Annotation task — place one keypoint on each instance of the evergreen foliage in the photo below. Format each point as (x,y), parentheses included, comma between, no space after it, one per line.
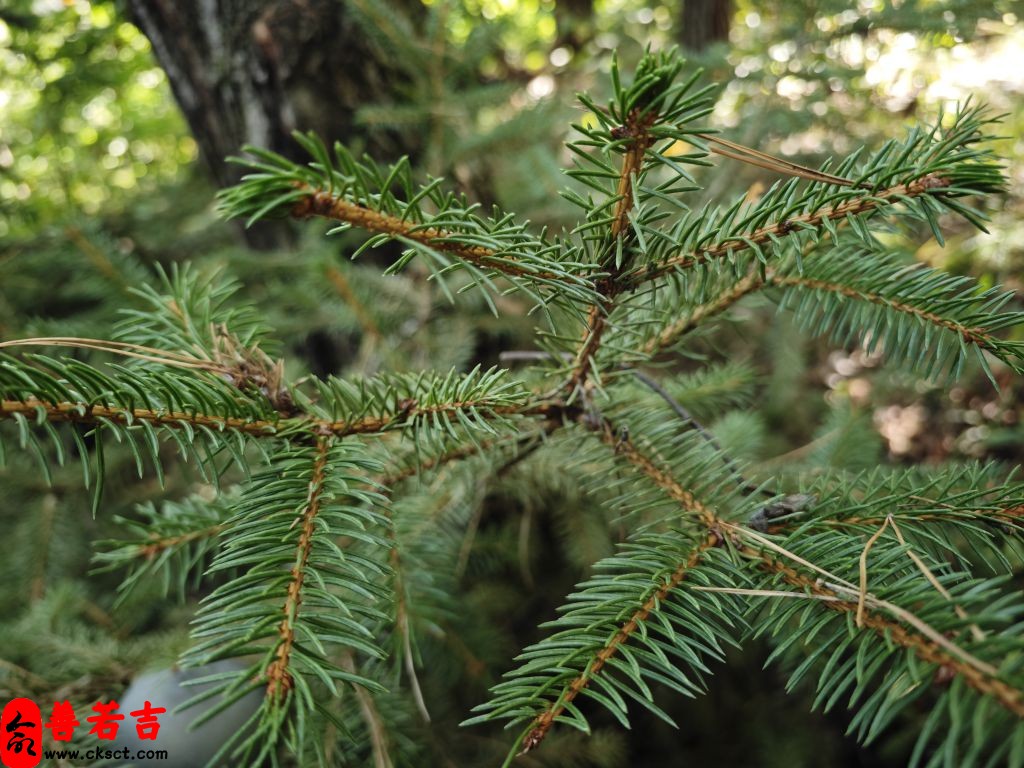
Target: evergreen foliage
(327,568)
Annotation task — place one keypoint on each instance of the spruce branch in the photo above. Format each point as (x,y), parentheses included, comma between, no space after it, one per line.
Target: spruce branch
(675,330)
(812,221)
(906,628)
(280,680)
(361,194)
(925,174)
(631,623)
(973,503)
(610,629)
(651,99)
(305,593)
(623,446)
(919,316)
(317,203)
(83,413)
(417,465)
(928,645)
(544,721)
(142,406)
(327,562)
(173,543)
(191,313)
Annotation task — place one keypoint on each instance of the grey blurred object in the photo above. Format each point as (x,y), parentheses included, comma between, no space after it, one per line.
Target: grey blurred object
(792,504)
(185,748)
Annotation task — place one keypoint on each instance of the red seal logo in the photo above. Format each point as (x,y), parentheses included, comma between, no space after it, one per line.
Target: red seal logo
(21,734)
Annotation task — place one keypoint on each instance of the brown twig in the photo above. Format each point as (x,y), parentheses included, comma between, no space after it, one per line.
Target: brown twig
(672,332)
(156,545)
(547,718)
(763,235)
(90,414)
(976,335)
(974,674)
(661,476)
(84,413)
(321,203)
(278,674)
(637,127)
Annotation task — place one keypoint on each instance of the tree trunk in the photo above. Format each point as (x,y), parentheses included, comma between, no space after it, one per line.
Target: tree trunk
(252,71)
(704,22)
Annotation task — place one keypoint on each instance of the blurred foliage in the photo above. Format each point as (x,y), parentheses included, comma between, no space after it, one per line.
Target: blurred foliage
(99,182)
(87,123)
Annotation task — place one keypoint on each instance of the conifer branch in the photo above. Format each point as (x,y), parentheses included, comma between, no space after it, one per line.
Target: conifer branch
(546,719)
(624,446)
(278,674)
(679,328)
(636,132)
(84,413)
(907,300)
(316,202)
(478,404)
(912,298)
(449,411)
(326,555)
(441,226)
(172,543)
(465,450)
(282,552)
(157,545)
(976,674)
(972,335)
(1010,516)
(816,221)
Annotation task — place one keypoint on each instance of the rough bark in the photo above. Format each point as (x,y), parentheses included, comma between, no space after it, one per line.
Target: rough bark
(252,71)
